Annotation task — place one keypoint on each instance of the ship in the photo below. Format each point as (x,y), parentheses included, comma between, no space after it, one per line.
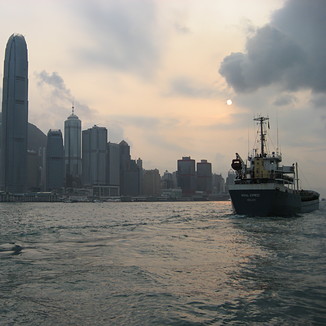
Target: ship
(263,187)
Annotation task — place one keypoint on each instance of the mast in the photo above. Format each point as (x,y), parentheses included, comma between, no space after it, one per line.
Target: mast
(261,121)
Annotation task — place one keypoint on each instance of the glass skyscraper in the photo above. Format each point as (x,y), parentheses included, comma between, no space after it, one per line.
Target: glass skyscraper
(13,163)
(73,160)
(54,160)
(94,156)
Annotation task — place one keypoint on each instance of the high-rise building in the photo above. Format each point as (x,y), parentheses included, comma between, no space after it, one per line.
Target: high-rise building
(73,160)
(186,175)
(151,183)
(13,163)
(218,184)
(129,172)
(94,142)
(204,176)
(113,164)
(54,160)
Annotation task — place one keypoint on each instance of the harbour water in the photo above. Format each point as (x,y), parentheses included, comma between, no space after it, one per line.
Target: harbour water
(182,263)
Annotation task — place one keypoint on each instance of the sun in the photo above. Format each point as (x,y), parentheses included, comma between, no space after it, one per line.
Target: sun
(229,102)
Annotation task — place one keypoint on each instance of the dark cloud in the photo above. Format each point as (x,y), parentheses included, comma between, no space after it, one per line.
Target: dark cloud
(290,51)
(183,86)
(124,34)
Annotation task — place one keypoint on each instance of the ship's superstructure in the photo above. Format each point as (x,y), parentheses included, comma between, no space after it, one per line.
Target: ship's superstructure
(264,187)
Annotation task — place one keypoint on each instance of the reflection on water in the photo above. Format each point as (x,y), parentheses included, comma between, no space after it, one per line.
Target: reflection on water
(159,264)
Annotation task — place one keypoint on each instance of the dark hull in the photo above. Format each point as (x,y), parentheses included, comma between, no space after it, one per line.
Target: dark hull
(269,200)
(265,202)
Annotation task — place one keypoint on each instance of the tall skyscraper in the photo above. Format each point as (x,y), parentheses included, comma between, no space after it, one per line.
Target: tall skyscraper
(54,160)
(113,164)
(94,156)
(13,163)
(73,160)
(187,176)
(130,172)
(204,176)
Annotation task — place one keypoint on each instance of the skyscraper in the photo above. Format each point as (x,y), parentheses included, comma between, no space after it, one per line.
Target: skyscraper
(54,160)
(73,160)
(204,176)
(94,156)
(13,163)
(113,164)
(187,176)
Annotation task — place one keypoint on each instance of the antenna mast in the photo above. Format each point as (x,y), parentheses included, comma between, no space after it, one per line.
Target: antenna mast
(261,121)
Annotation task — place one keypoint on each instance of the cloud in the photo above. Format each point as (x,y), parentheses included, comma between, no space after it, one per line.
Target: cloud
(124,35)
(290,51)
(183,86)
(60,95)
(182,29)
(56,82)
(284,99)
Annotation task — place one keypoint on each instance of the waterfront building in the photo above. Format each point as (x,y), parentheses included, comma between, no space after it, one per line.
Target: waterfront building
(113,166)
(33,171)
(94,142)
(229,179)
(151,183)
(218,184)
(13,152)
(129,172)
(186,176)
(124,166)
(204,176)
(168,180)
(54,160)
(73,159)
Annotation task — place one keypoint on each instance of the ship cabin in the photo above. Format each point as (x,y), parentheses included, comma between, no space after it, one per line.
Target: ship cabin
(266,169)
(263,169)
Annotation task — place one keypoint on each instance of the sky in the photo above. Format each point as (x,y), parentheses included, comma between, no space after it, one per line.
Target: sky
(161,75)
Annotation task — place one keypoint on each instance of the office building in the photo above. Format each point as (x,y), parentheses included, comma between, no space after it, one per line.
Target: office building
(204,177)
(13,155)
(54,161)
(130,172)
(113,167)
(218,184)
(73,160)
(94,142)
(186,176)
(151,183)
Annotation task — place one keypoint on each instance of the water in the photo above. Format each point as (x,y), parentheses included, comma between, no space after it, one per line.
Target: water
(159,264)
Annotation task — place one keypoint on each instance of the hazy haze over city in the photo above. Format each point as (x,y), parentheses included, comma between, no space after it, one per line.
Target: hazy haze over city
(159,75)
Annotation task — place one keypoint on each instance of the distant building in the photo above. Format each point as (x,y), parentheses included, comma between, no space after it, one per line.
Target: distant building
(113,166)
(33,171)
(168,181)
(13,152)
(94,156)
(124,166)
(186,175)
(73,159)
(132,180)
(218,184)
(151,183)
(54,160)
(204,177)
(130,172)
(229,179)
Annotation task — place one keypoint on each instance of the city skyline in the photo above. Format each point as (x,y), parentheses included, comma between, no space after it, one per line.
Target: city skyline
(161,79)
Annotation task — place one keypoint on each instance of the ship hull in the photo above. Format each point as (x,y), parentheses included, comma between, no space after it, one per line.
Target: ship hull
(268,200)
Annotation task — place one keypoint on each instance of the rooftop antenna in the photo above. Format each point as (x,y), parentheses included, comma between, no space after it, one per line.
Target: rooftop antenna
(73,108)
